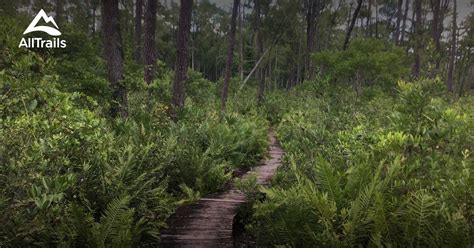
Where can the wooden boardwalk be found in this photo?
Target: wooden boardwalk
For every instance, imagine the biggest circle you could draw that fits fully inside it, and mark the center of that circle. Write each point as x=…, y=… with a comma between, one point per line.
x=208, y=223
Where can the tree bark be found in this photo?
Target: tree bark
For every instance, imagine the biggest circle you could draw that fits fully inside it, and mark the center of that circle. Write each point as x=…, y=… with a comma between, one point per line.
x=435, y=34
x=149, y=40
x=444, y=8
x=351, y=26
x=181, y=67
x=93, y=16
x=114, y=57
x=59, y=12
x=452, y=54
x=241, y=64
x=261, y=71
x=471, y=74
x=299, y=58
x=418, y=39
x=230, y=55
x=404, y=22
x=369, y=20
x=137, y=35
x=463, y=73
x=312, y=14
x=376, y=19
x=193, y=49
x=412, y=35
x=396, y=35
x=348, y=21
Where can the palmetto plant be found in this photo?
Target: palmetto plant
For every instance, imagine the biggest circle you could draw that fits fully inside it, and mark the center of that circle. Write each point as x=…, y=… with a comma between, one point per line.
x=371, y=186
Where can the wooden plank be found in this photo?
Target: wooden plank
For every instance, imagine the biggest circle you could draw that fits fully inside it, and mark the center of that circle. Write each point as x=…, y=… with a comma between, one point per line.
x=208, y=222
x=222, y=200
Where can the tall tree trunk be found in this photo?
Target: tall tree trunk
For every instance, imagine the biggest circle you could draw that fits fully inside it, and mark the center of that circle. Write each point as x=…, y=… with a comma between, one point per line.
x=411, y=35
x=348, y=21
x=444, y=8
x=452, y=54
x=261, y=70
x=418, y=38
x=181, y=67
x=351, y=26
x=299, y=57
x=126, y=7
x=273, y=70
x=93, y=15
x=149, y=40
x=137, y=36
x=193, y=49
x=388, y=21
x=404, y=22
x=463, y=71
x=114, y=57
x=471, y=75
x=332, y=23
x=241, y=64
x=376, y=19
x=59, y=12
x=87, y=7
x=435, y=31
x=396, y=35
x=230, y=55
x=312, y=13
x=369, y=19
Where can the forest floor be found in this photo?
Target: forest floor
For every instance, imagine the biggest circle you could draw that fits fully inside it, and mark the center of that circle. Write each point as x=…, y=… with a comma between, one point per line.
x=209, y=222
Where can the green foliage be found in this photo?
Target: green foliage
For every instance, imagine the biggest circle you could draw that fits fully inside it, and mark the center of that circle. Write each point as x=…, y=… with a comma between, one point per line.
x=59, y=157
x=376, y=168
x=248, y=185
x=199, y=89
x=81, y=67
x=203, y=148
x=366, y=62
x=70, y=176
x=353, y=176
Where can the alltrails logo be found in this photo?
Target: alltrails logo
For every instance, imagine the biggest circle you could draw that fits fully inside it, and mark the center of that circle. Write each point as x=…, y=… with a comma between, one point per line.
x=40, y=42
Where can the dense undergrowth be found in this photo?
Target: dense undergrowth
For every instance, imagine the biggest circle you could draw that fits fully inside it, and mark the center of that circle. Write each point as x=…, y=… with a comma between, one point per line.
x=71, y=176
x=367, y=163
x=383, y=169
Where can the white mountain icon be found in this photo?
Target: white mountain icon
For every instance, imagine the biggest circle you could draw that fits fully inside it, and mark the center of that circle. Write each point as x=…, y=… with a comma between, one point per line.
x=50, y=30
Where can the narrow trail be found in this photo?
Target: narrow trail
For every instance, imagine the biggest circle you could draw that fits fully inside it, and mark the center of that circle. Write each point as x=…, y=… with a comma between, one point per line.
x=208, y=222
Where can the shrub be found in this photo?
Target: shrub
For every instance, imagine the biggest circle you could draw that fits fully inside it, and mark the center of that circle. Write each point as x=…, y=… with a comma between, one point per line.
x=72, y=177
x=366, y=62
x=209, y=147
x=353, y=176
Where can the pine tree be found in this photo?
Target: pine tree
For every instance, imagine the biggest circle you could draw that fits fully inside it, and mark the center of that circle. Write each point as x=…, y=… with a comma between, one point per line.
x=230, y=55
x=181, y=67
x=114, y=57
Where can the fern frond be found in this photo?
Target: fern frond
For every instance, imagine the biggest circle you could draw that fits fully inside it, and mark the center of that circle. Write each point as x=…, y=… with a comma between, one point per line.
x=328, y=180
x=115, y=224
x=419, y=210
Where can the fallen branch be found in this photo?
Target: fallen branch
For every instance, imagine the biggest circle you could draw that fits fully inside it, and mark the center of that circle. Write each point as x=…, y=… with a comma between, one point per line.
x=259, y=62
x=254, y=68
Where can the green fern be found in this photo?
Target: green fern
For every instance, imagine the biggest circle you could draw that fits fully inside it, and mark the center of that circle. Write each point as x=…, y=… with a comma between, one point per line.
x=190, y=195
x=115, y=224
x=82, y=224
x=419, y=210
x=327, y=179
x=359, y=223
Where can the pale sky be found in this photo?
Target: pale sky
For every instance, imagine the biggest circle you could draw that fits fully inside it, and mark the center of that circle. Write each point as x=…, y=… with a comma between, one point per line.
x=464, y=7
